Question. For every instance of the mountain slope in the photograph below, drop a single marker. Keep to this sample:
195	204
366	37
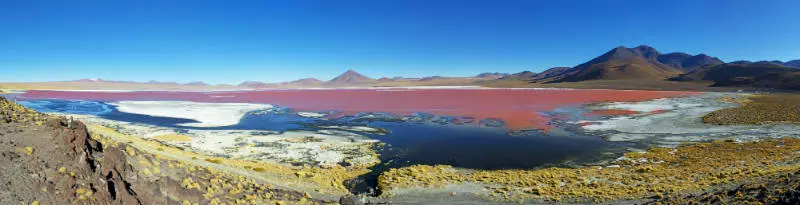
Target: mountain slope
686	62
491	75
794	63
351	77
742	73
524	75
619	63
550	73
307	81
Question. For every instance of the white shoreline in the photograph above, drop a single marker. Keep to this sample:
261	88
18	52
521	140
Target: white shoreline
207	114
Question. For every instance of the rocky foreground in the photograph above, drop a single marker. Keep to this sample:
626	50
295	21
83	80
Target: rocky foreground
51	160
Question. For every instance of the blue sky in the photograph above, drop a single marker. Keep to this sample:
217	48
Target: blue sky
234	41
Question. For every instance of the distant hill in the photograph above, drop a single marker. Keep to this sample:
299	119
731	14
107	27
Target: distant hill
308	81
305	82
161	82
152	82
747	74
253	84
491	75
546	74
524	75
350	77
619	63
686	62
197	83
794	63
99	80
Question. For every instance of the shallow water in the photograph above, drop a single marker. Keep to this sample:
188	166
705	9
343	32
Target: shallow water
417	142
518	108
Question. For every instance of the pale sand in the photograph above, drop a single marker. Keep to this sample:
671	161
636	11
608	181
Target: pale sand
322	148
207	114
680	122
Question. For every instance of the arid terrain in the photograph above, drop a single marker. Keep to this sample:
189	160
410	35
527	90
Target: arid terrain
56	160
365	102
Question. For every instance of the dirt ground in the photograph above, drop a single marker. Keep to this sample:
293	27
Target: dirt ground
54	160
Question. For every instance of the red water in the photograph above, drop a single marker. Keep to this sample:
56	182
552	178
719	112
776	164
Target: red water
519	108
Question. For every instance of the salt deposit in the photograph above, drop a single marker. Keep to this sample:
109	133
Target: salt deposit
207	114
311	114
321	147
681	121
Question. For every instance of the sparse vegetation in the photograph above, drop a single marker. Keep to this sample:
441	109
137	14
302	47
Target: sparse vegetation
13	112
215	161
658	172
759	109
29	151
173	138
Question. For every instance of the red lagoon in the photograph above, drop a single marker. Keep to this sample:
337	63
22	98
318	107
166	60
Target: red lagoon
518	108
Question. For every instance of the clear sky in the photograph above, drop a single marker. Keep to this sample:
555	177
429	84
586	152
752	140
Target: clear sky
233	41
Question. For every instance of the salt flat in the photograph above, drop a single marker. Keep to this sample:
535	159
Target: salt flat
680	121
206	114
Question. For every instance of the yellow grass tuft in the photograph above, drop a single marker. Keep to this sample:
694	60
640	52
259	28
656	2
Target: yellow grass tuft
173	138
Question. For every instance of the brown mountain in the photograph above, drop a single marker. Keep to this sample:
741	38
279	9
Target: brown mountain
686	62
350	77
253	84
550	73
524	75
491	75
747	74
308	81
619	63
305	82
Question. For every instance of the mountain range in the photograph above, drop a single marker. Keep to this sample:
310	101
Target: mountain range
642	62
647	67
641	67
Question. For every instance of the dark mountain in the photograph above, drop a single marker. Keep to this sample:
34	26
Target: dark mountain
550	73
794	63
641	62
762	74
350	77
686	62
619	63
